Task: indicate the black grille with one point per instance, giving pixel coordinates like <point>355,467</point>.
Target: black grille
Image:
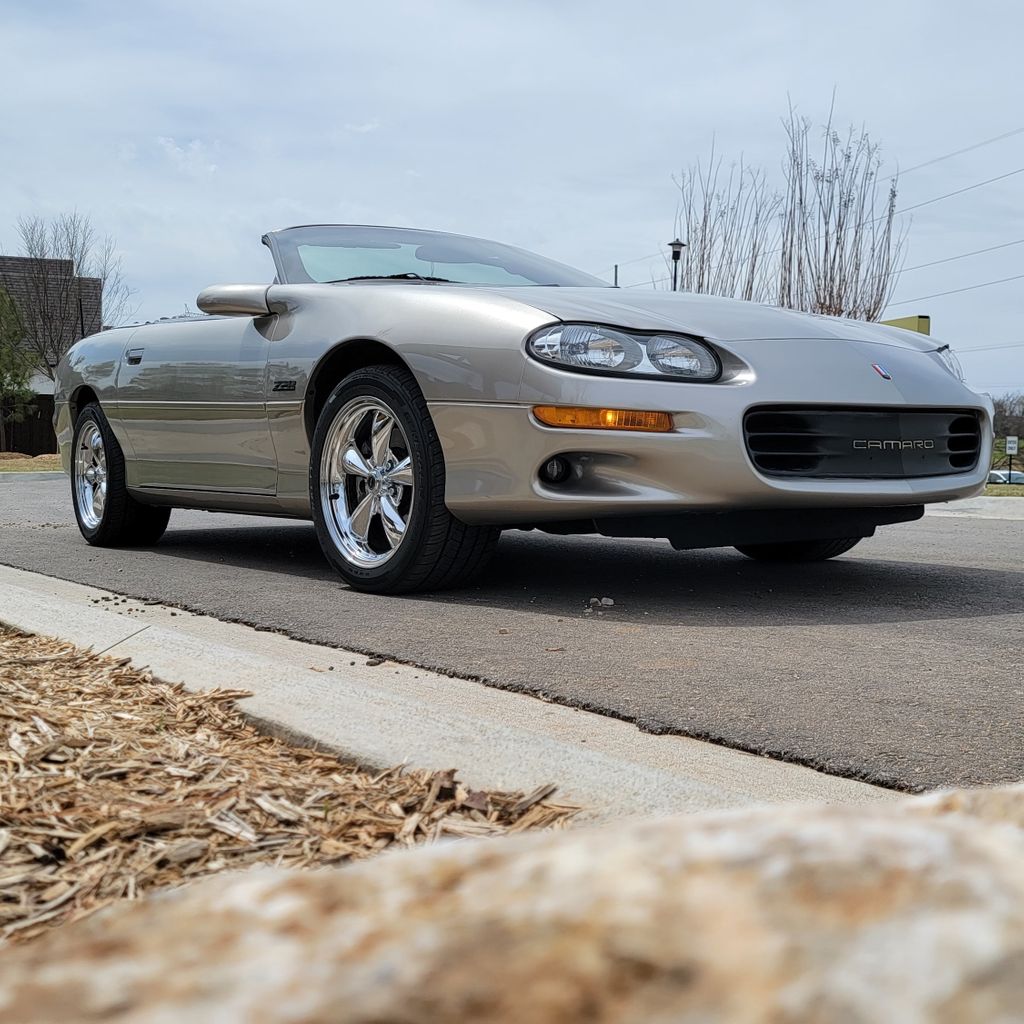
<point>862,443</point>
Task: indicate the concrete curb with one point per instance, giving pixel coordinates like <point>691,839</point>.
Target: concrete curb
<point>386,713</point>
<point>7,478</point>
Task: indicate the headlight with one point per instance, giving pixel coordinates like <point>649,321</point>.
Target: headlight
<point>950,361</point>
<point>597,349</point>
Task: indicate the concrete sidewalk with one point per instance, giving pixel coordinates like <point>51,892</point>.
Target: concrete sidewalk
<point>381,714</point>
<point>43,474</point>
<point>981,508</point>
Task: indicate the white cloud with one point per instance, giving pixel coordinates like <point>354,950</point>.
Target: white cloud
<point>363,129</point>
<point>192,158</point>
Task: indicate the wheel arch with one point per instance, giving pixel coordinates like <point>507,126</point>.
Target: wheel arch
<point>79,398</point>
<point>336,364</point>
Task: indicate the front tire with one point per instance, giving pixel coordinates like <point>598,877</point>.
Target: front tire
<point>376,489</point>
<point>108,516</point>
<point>799,550</point>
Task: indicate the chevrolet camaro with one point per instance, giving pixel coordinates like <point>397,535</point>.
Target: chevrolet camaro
<point>414,393</point>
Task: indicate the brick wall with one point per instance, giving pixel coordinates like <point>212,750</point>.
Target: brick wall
<point>73,308</point>
<point>56,307</point>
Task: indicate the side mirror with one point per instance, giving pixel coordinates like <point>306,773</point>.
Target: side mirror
<point>234,300</point>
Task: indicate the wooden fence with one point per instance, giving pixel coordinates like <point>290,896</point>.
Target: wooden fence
<point>34,435</point>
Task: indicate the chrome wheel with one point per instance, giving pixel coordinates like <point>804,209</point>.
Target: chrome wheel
<point>366,482</point>
<point>91,475</point>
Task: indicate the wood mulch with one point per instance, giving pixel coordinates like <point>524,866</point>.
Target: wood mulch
<point>113,784</point>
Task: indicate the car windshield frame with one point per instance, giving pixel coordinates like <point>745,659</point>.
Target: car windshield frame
<point>304,255</point>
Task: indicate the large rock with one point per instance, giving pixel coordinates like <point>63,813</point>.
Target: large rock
<point>911,912</point>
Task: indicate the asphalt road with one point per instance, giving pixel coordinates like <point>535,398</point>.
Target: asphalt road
<point>901,663</point>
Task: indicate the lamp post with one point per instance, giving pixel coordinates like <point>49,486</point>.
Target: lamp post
<point>677,250</point>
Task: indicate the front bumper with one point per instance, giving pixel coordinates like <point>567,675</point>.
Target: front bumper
<point>493,452</point>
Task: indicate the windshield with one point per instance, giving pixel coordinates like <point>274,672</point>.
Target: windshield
<point>345,252</point>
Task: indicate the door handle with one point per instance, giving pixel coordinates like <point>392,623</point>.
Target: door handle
<point>135,356</point>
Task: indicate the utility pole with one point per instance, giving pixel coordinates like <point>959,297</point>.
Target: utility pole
<point>677,250</point>
<point>615,279</point>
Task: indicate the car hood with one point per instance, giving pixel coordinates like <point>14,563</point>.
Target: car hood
<point>708,316</point>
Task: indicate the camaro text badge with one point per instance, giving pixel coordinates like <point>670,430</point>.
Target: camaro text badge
<point>892,446</point>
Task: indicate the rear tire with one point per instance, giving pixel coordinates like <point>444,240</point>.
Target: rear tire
<point>799,550</point>
<point>108,516</point>
<point>376,489</point>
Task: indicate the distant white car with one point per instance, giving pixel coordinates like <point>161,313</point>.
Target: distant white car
<point>1002,476</point>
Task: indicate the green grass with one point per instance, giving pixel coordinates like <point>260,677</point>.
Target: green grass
<point>1004,491</point>
<point>44,464</point>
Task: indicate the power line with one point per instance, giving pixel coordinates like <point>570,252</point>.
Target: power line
<point>626,263</point>
<point>992,348</point>
<point>963,255</point>
<point>955,291</point>
<point>916,167</point>
<point>956,152</point>
<point>959,191</point>
<point>905,209</point>
<point>934,295</point>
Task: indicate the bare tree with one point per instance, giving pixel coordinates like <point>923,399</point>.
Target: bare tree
<point>730,222</point>
<point>1009,414</point>
<point>840,254</point>
<point>826,243</point>
<point>68,283</point>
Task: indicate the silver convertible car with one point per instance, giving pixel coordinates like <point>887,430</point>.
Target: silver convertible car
<point>414,393</point>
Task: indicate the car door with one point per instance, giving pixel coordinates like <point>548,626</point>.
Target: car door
<point>191,398</point>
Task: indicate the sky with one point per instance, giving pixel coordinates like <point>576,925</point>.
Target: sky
<point>186,129</point>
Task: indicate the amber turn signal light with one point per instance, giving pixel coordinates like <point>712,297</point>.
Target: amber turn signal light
<point>602,419</point>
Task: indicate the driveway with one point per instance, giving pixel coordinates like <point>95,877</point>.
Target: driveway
<point>899,663</point>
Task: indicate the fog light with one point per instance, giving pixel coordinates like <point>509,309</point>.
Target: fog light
<point>555,471</point>
<point>603,419</point>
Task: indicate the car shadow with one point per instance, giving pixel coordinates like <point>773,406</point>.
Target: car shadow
<point>650,582</point>
<point>278,546</point>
